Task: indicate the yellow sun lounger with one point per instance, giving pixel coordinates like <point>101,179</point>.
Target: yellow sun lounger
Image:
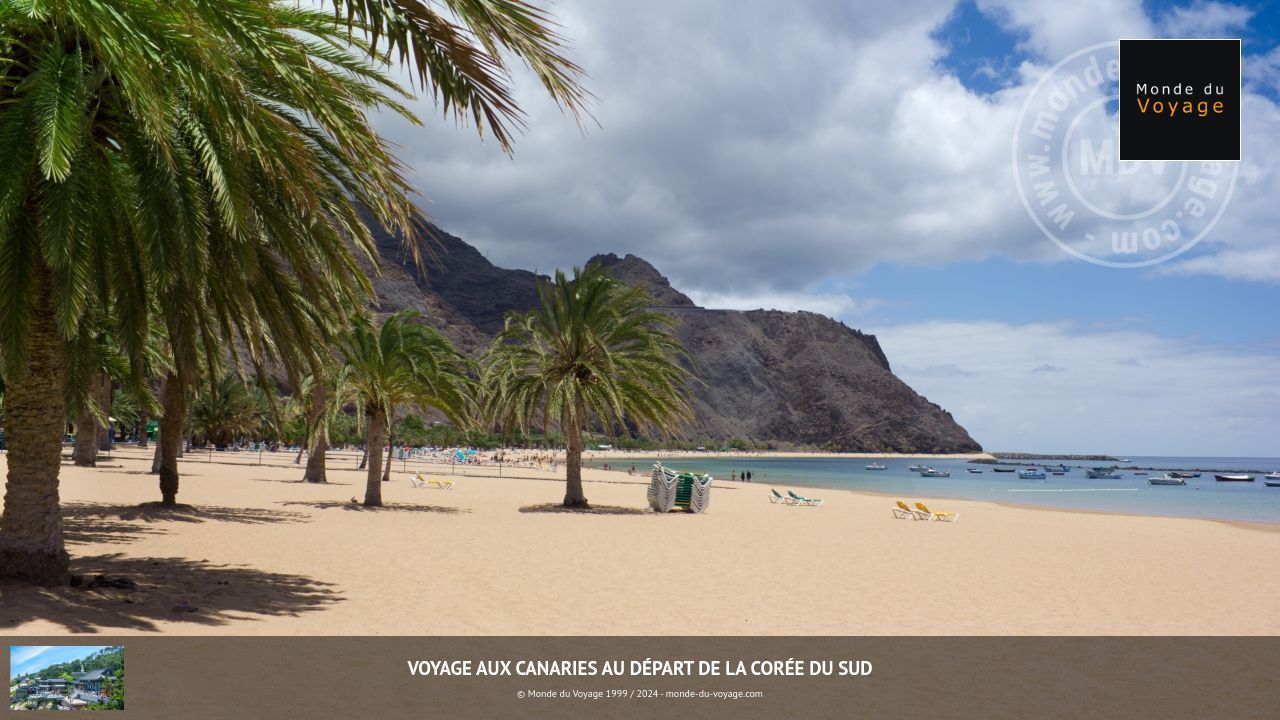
<point>928,514</point>
<point>423,482</point>
<point>904,511</point>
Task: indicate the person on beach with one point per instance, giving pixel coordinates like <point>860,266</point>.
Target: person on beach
<point>748,476</point>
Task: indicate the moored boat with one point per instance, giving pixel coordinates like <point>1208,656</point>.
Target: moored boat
<point>1002,469</point>
<point>930,472</point>
<point>1184,475</point>
<point>1031,474</point>
<point>875,466</point>
<point>1272,483</point>
<point>915,468</point>
<point>1057,469</point>
<point>975,471</point>
<point>1272,476</point>
<point>1102,473</point>
<point>1165,480</point>
<point>1233,478</point>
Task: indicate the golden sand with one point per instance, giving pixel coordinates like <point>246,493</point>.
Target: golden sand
<point>259,553</point>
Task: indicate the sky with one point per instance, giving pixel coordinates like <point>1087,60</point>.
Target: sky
<point>25,659</point>
<point>853,159</point>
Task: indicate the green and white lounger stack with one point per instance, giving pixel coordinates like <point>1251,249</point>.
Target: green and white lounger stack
<point>669,489</point>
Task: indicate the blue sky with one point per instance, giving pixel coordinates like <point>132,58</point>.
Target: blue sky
<point>25,659</point>
<point>853,159</point>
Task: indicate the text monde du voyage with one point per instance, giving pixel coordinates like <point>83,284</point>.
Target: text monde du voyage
<point>647,667</point>
<point>1181,99</point>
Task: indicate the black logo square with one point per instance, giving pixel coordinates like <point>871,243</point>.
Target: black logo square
<point>1179,99</point>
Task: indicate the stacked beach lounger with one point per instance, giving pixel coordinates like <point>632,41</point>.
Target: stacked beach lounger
<point>669,490</point>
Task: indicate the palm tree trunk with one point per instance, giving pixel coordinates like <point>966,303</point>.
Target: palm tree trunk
<point>104,438</point>
<point>86,450</point>
<point>573,495</point>
<point>142,430</point>
<point>31,544</point>
<point>155,458</point>
<point>374,440</point>
<point>170,440</point>
<point>391,444</point>
<point>319,440</point>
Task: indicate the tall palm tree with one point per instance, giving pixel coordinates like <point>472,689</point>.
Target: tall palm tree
<point>201,166</point>
<point>399,363</point>
<point>592,353</point>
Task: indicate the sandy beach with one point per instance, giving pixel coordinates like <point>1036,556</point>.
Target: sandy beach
<point>259,553</point>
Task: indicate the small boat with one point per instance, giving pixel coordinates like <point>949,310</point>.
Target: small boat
<point>1140,473</point>
<point>1101,473</point>
<point>1271,483</point>
<point>1059,473</point>
<point>1057,469</point>
<point>1165,480</point>
<point>1233,478</point>
<point>1002,469</point>
<point>930,472</point>
<point>1183,475</point>
<point>1031,474</point>
<point>1272,476</point>
<point>875,466</point>
<point>915,468</point>
<point>975,471</point>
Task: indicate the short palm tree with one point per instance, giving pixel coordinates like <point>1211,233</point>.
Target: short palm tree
<point>591,354</point>
<point>229,410</point>
<point>320,398</point>
<point>402,362</point>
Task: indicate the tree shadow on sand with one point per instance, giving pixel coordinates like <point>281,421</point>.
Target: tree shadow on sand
<point>593,510</point>
<point>154,512</point>
<point>137,593</point>
<point>389,507</point>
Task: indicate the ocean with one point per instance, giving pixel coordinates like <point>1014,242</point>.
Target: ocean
<point>1201,497</point>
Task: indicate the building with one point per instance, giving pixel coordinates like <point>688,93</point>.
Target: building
<point>90,682</point>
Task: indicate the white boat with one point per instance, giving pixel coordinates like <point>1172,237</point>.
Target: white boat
<point>975,471</point>
<point>1272,476</point>
<point>915,468</point>
<point>1165,480</point>
<point>1233,478</point>
<point>1101,473</point>
<point>1031,474</point>
<point>875,466</point>
<point>930,472</point>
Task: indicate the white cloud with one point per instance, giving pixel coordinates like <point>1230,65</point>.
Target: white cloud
<point>782,144</point>
<point>830,304</point>
<point>1112,391</point>
<point>1206,20</point>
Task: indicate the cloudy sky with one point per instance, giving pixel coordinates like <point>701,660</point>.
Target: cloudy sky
<point>854,159</point>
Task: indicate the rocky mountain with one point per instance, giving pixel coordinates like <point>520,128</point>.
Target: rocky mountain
<point>777,379</point>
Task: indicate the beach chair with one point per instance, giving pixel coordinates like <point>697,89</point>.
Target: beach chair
<point>904,511</point>
<point>418,482</point>
<point>927,514</point>
<point>802,500</point>
<point>777,497</point>
<point>424,482</point>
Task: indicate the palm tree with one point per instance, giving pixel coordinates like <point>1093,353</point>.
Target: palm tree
<point>227,412</point>
<point>402,362</point>
<point>320,399</point>
<point>592,353</point>
<point>202,166</point>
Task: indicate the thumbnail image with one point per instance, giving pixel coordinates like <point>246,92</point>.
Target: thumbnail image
<point>66,677</point>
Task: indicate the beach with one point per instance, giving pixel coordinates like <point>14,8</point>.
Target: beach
<point>259,553</point>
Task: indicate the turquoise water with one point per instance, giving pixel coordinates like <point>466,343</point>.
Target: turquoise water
<point>1201,497</point>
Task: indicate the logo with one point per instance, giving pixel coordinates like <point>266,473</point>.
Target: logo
<point>1110,212</point>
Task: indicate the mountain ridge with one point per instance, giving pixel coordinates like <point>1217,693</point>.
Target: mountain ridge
<point>777,379</point>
